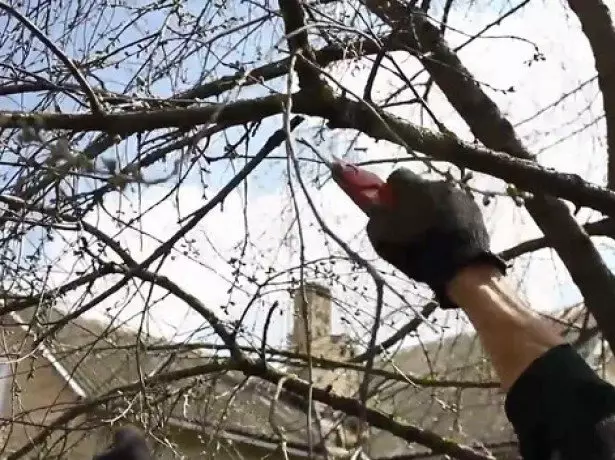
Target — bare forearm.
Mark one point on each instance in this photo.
(513, 335)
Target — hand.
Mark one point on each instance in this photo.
(430, 232)
(128, 444)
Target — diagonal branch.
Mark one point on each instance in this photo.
(398, 335)
(140, 270)
(94, 102)
(527, 175)
(598, 28)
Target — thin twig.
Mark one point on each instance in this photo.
(277, 429)
(400, 334)
(87, 89)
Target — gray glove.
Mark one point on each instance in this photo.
(430, 232)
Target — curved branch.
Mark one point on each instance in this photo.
(598, 28)
(87, 89)
(604, 227)
(196, 305)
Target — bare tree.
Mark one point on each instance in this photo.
(138, 135)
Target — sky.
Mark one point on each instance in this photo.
(506, 65)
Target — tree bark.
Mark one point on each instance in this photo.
(598, 28)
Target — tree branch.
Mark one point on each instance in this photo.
(598, 28)
(603, 227)
(118, 392)
(377, 419)
(322, 58)
(87, 89)
(399, 335)
(298, 42)
(527, 175)
(290, 357)
(296, 386)
(342, 113)
(131, 122)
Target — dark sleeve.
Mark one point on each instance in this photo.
(561, 409)
(128, 444)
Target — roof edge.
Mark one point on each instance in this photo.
(49, 356)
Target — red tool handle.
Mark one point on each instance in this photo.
(365, 188)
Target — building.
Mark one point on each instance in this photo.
(226, 415)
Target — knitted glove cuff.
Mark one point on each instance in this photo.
(488, 258)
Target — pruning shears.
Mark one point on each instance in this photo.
(368, 191)
(365, 188)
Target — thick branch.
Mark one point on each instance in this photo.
(482, 115)
(298, 42)
(131, 122)
(598, 28)
(603, 227)
(343, 113)
(527, 175)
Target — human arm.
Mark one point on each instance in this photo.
(555, 401)
(512, 334)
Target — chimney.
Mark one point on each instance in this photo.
(316, 307)
(314, 302)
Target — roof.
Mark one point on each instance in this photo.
(473, 416)
(99, 357)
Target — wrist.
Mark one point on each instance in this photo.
(471, 279)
